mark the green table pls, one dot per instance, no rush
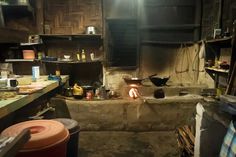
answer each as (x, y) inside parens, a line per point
(12, 104)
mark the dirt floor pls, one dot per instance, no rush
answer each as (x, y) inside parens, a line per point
(127, 144)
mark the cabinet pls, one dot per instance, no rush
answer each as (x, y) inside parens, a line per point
(217, 52)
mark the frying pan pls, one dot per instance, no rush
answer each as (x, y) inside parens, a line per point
(133, 80)
(136, 80)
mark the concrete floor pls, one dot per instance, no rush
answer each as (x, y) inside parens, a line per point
(127, 144)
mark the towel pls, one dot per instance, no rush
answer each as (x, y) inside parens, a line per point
(228, 148)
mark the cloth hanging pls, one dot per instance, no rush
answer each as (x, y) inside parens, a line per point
(228, 148)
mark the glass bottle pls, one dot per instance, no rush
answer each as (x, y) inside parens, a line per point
(83, 56)
(78, 55)
(58, 72)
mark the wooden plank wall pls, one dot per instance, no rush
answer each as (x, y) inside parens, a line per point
(72, 16)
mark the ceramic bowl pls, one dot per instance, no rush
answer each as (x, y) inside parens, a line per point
(67, 56)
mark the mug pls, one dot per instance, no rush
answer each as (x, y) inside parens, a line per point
(12, 82)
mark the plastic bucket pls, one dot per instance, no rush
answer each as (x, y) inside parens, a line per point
(48, 138)
(74, 129)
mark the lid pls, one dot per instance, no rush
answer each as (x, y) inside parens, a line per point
(44, 133)
(70, 124)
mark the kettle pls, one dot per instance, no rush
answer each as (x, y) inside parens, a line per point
(78, 91)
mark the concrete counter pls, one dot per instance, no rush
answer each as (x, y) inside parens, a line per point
(148, 114)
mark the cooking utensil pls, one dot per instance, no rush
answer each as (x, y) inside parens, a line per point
(136, 80)
(159, 93)
(159, 81)
(133, 80)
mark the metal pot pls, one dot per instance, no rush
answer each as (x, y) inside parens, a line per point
(90, 30)
(68, 92)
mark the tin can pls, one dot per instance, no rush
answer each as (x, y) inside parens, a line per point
(89, 95)
(35, 73)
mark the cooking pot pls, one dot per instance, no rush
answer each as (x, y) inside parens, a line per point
(90, 30)
(159, 81)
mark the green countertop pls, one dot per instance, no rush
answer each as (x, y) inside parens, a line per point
(12, 104)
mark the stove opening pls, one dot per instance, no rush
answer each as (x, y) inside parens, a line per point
(133, 93)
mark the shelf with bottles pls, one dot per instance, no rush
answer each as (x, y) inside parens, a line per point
(71, 62)
(54, 62)
(67, 37)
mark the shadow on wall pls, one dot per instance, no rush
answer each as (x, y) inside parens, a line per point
(182, 63)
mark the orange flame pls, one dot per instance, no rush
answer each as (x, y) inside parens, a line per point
(133, 93)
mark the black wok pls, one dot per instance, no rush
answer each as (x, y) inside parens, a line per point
(159, 81)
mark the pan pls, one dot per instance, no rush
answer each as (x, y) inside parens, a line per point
(136, 80)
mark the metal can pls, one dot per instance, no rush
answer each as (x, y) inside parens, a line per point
(89, 95)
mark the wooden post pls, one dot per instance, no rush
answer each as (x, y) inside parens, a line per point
(40, 16)
(232, 72)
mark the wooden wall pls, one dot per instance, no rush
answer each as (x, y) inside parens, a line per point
(71, 16)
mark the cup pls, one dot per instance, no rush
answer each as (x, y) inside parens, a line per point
(12, 82)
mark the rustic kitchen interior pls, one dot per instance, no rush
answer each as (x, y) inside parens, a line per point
(117, 78)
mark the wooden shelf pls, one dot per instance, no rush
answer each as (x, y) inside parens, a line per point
(30, 44)
(70, 37)
(222, 42)
(19, 60)
(149, 42)
(71, 62)
(57, 62)
(170, 27)
(216, 70)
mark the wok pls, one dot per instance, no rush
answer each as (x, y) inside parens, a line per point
(135, 80)
(159, 81)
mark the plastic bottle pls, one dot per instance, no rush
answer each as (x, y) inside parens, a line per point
(83, 56)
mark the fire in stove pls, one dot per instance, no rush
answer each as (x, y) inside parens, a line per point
(133, 93)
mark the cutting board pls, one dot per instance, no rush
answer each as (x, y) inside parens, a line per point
(29, 89)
